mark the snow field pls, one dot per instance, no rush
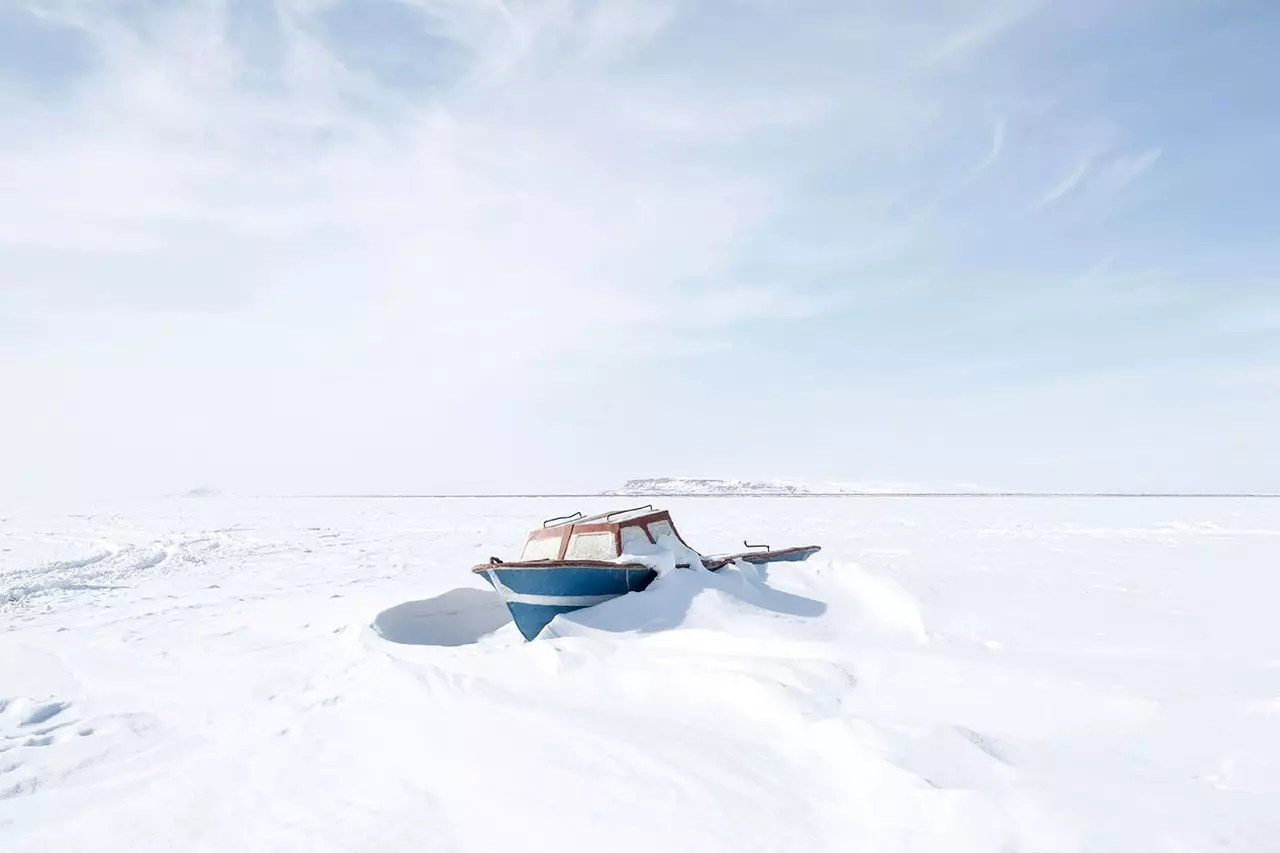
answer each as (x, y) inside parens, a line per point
(947, 675)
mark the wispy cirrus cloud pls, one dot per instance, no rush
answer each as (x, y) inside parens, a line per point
(984, 27)
(1066, 185)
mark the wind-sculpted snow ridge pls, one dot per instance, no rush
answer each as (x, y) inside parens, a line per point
(735, 704)
(820, 600)
(986, 676)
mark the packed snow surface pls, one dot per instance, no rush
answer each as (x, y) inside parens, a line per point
(949, 674)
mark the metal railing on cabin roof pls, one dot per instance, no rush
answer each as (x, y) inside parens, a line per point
(579, 518)
(560, 519)
(609, 516)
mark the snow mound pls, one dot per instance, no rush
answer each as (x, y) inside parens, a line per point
(746, 600)
(876, 604)
(663, 555)
(202, 492)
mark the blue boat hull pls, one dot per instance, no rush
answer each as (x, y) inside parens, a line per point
(538, 592)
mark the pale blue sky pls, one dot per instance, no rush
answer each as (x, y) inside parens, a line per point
(428, 245)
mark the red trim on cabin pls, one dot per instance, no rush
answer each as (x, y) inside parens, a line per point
(593, 524)
(544, 564)
(595, 527)
(557, 532)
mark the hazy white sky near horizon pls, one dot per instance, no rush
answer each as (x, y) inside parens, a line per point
(429, 245)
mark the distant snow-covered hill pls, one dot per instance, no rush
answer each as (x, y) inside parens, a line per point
(674, 486)
(699, 486)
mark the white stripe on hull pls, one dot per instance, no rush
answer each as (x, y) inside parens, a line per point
(505, 593)
(559, 600)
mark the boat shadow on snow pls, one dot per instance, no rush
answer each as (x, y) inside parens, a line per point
(459, 617)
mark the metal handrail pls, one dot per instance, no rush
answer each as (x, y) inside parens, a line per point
(745, 543)
(551, 521)
(622, 511)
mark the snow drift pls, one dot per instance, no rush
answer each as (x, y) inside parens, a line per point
(947, 676)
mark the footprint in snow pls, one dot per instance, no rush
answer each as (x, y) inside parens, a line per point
(26, 786)
(28, 722)
(43, 713)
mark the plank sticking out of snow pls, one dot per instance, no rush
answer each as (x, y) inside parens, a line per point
(960, 676)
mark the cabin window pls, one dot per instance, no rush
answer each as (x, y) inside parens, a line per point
(635, 540)
(542, 548)
(658, 529)
(591, 546)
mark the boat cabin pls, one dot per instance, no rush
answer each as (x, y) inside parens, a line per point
(606, 536)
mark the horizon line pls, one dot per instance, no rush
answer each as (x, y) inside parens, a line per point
(925, 494)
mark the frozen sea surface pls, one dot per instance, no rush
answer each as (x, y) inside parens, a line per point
(991, 674)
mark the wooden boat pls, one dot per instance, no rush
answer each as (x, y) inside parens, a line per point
(579, 561)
